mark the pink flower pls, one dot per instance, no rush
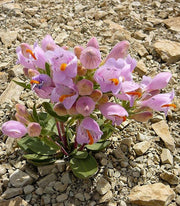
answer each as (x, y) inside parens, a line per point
(67, 95)
(119, 50)
(14, 129)
(129, 92)
(93, 42)
(114, 112)
(159, 102)
(88, 132)
(48, 43)
(158, 82)
(64, 65)
(85, 106)
(42, 84)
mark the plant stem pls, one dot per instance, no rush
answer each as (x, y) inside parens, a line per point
(59, 131)
(63, 134)
(62, 149)
(81, 147)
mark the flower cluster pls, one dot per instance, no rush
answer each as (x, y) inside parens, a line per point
(84, 88)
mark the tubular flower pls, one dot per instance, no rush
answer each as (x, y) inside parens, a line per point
(42, 84)
(114, 112)
(88, 132)
(85, 106)
(14, 129)
(64, 65)
(158, 82)
(66, 95)
(159, 102)
(119, 50)
(48, 43)
(129, 92)
(108, 76)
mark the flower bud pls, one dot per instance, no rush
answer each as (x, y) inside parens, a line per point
(96, 95)
(81, 71)
(78, 50)
(103, 99)
(72, 110)
(34, 129)
(85, 87)
(21, 119)
(25, 71)
(142, 117)
(60, 109)
(22, 111)
(14, 129)
(93, 42)
(90, 57)
(32, 73)
(85, 106)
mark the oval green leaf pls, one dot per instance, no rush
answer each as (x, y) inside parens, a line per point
(98, 146)
(84, 168)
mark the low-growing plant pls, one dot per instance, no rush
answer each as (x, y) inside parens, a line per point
(85, 99)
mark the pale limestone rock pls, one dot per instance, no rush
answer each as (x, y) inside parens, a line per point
(169, 51)
(140, 49)
(118, 153)
(61, 37)
(46, 180)
(17, 201)
(13, 91)
(28, 189)
(170, 178)
(166, 157)
(19, 178)
(117, 27)
(62, 197)
(8, 37)
(45, 169)
(139, 35)
(12, 192)
(173, 23)
(103, 186)
(141, 147)
(162, 130)
(141, 68)
(61, 165)
(108, 196)
(156, 194)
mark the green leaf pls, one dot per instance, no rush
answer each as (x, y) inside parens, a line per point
(22, 84)
(84, 168)
(35, 115)
(40, 147)
(51, 143)
(41, 163)
(81, 155)
(98, 146)
(37, 157)
(22, 143)
(48, 70)
(47, 106)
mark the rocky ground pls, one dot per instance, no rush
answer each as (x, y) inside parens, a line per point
(144, 158)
